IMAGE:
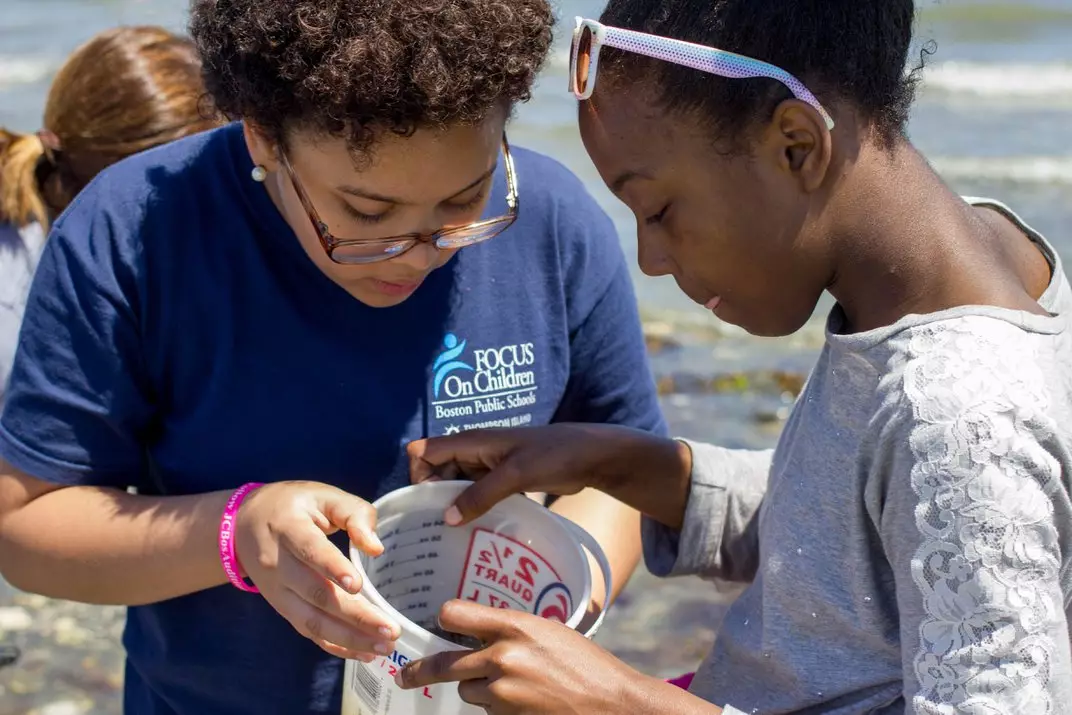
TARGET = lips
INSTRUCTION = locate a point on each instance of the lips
(393, 288)
(713, 304)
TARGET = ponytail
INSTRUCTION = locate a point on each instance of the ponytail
(22, 201)
(123, 91)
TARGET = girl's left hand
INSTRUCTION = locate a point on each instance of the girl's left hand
(529, 666)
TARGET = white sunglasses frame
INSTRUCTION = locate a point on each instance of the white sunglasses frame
(688, 54)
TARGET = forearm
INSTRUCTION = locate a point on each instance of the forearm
(616, 527)
(105, 546)
(719, 536)
(649, 696)
(649, 473)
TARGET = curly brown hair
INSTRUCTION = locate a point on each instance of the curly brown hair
(357, 68)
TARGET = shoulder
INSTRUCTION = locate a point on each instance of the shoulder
(551, 194)
(154, 177)
(144, 172)
(546, 182)
(973, 362)
(972, 393)
(547, 179)
(155, 187)
(555, 203)
(101, 239)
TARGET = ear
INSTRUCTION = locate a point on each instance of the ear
(799, 142)
(262, 150)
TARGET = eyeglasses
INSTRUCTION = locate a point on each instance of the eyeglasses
(359, 251)
(589, 36)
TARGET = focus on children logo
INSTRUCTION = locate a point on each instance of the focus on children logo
(468, 380)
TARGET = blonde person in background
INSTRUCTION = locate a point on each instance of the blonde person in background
(126, 90)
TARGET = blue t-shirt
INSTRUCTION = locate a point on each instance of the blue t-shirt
(178, 339)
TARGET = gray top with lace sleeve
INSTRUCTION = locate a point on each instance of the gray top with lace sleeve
(909, 542)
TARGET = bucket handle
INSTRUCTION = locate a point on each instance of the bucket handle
(592, 546)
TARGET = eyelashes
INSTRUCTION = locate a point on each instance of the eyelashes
(380, 217)
(657, 218)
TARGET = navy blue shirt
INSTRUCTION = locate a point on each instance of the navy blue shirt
(179, 340)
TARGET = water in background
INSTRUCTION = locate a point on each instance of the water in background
(997, 96)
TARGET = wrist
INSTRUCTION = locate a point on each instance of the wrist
(229, 537)
(681, 483)
(649, 473)
(645, 695)
(635, 456)
(210, 508)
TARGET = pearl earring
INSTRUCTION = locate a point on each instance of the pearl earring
(259, 173)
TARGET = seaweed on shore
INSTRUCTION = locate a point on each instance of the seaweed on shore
(776, 382)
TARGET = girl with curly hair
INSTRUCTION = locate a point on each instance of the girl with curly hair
(246, 327)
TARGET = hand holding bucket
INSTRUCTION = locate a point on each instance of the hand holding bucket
(517, 556)
(650, 473)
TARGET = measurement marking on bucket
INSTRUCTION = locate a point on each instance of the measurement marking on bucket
(415, 559)
(399, 532)
(419, 542)
(401, 579)
(408, 592)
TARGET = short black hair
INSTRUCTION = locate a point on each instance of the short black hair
(855, 51)
(356, 69)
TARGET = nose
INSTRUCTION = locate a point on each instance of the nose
(651, 256)
(421, 258)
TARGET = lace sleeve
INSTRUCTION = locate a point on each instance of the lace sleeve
(972, 532)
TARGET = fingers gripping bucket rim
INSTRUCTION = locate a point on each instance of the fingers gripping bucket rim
(438, 496)
(413, 515)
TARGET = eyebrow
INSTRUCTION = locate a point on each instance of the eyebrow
(373, 196)
(625, 177)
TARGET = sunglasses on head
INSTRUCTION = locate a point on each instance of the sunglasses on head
(589, 36)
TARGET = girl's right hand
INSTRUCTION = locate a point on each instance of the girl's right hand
(281, 541)
(645, 471)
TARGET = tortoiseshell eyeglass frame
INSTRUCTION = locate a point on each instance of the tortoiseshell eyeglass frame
(361, 251)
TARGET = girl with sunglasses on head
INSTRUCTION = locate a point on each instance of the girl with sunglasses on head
(359, 261)
(908, 544)
(126, 90)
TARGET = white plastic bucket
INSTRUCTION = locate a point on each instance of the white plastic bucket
(519, 555)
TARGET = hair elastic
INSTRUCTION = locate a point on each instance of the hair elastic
(50, 143)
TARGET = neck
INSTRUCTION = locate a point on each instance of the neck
(906, 244)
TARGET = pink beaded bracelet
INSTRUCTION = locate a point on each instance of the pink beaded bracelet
(227, 538)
